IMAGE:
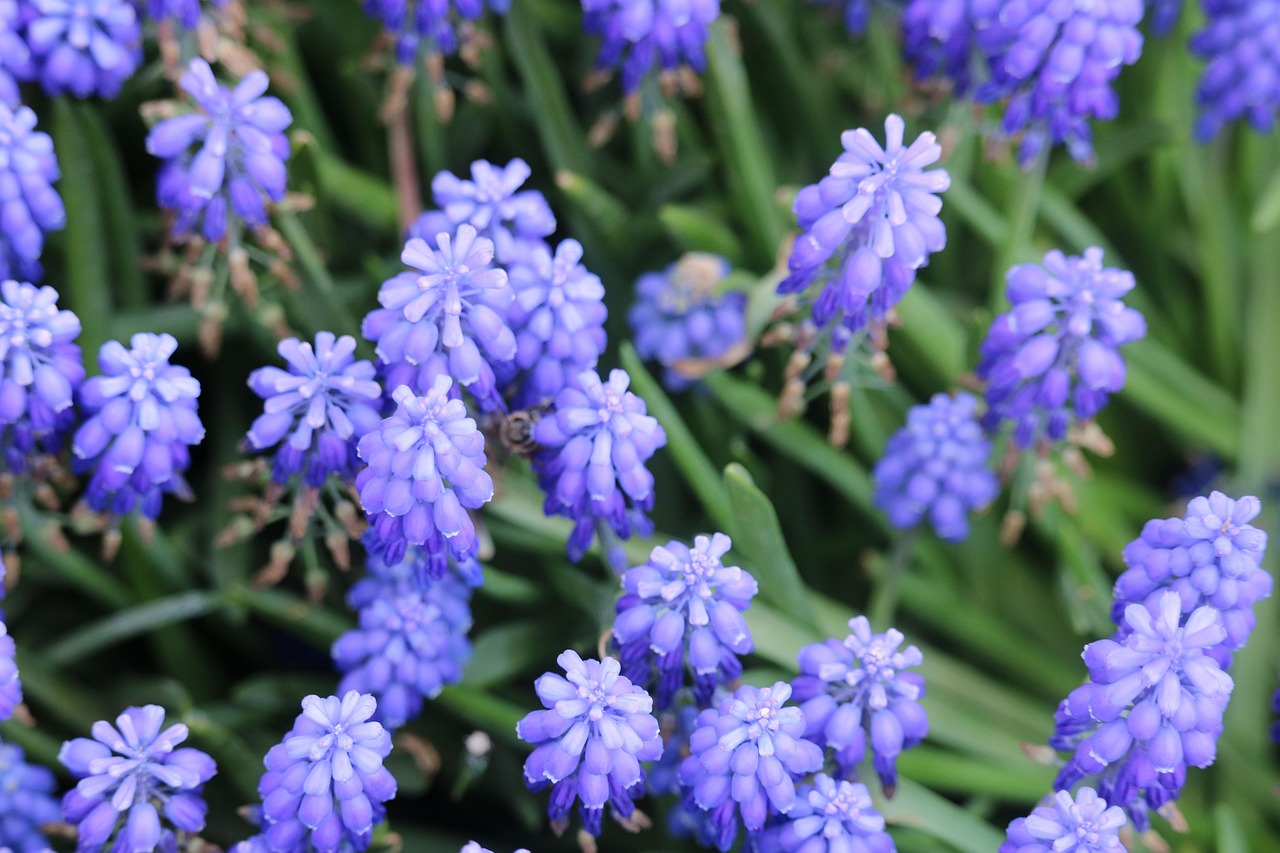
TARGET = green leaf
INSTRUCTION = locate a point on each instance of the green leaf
(475, 707)
(125, 624)
(757, 536)
(917, 806)
(699, 230)
(505, 650)
(562, 137)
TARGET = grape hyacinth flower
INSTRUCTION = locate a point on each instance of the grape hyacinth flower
(42, 370)
(83, 47)
(1054, 63)
(411, 640)
(867, 227)
(125, 773)
(680, 321)
(140, 418)
(937, 466)
(186, 13)
(1152, 708)
(26, 802)
(240, 158)
(858, 688)
(1213, 556)
(10, 684)
(830, 816)
(436, 320)
(591, 464)
(492, 203)
(425, 468)
(1055, 354)
(316, 410)
(1242, 76)
(558, 319)
(432, 26)
(15, 56)
(1083, 824)
(325, 788)
(636, 34)
(474, 847)
(683, 611)
(29, 205)
(945, 38)
(745, 756)
(589, 741)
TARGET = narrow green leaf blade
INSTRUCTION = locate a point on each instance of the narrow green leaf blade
(758, 537)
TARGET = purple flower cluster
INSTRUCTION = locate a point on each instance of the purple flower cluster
(591, 464)
(679, 318)
(858, 688)
(1083, 824)
(867, 227)
(636, 34)
(429, 25)
(83, 47)
(937, 465)
(26, 802)
(41, 367)
(186, 12)
(425, 468)
(239, 159)
(829, 816)
(411, 640)
(316, 410)
(683, 611)
(1055, 354)
(140, 420)
(29, 205)
(1242, 76)
(10, 683)
(325, 786)
(15, 56)
(589, 741)
(435, 321)
(945, 38)
(125, 772)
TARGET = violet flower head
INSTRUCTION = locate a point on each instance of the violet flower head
(1054, 63)
(411, 640)
(129, 775)
(591, 464)
(430, 26)
(447, 317)
(492, 203)
(1152, 708)
(41, 368)
(325, 788)
(425, 469)
(222, 162)
(558, 318)
(186, 13)
(10, 683)
(858, 688)
(1241, 79)
(140, 420)
(316, 410)
(682, 611)
(678, 318)
(15, 57)
(947, 38)
(26, 802)
(83, 47)
(29, 205)
(1212, 556)
(830, 816)
(589, 741)
(745, 756)
(636, 34)
(1055, 355)
(1080, 824)
(868, 226)
(938, 466)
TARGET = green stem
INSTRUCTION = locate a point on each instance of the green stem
(1025, 207)
(888, 588)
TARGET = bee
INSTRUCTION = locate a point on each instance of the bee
(515, 430)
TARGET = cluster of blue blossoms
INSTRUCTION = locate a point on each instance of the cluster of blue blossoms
(638, 34)
(430, 26)
(26, 801)
(29, 205)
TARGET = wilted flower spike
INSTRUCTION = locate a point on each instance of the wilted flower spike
(1083, 824)
(1242, 73)
(637, 34)
(325, 788)
(682, 612)
(937, 466)
(83, 47)
(867, 227)
(31, 206)
(859, 689)
(829, 816)
(589, 741)
(26, 802)
(1055, 355)
(140, 420)
(221, 163)
(425, 469)
(126, 772)
(316, 410)
(41, 368)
